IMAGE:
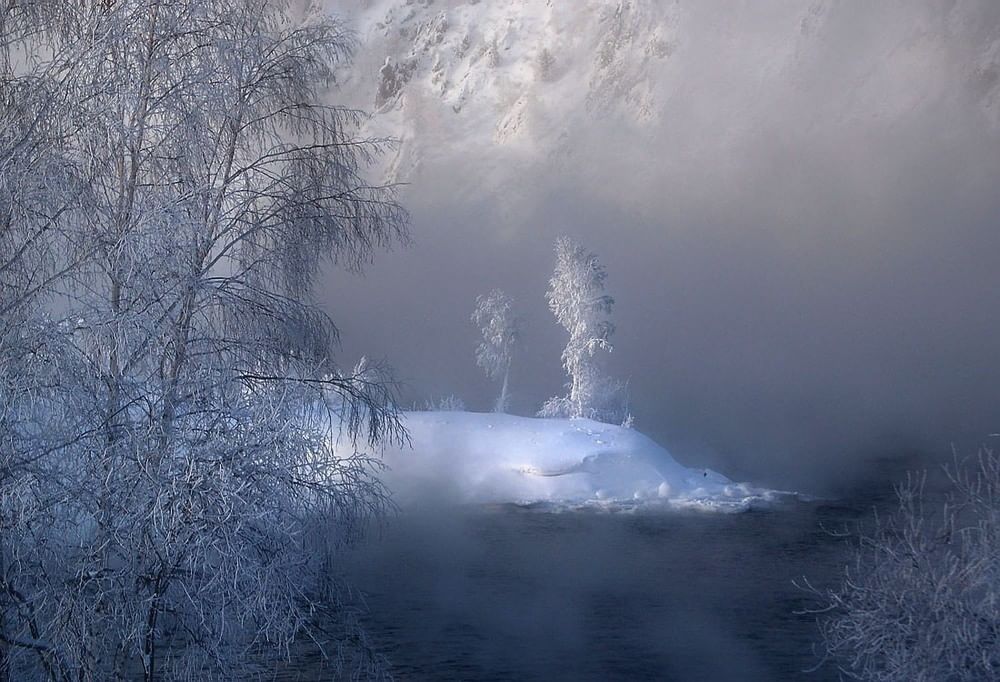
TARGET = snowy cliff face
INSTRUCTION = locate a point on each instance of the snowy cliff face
(527, 82)
(517, 81)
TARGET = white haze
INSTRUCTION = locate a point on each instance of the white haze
(796, 202)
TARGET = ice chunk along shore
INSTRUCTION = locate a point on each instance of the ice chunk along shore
(500, 458)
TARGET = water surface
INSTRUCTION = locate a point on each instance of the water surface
(520, 593)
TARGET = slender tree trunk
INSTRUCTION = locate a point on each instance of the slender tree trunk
(502, 400)
(4, 600)
(4, 671)
(150, 639)
(575, 391)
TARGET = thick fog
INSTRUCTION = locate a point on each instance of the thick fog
(802, 243)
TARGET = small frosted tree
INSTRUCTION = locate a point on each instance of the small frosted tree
(544, 64)
(501, 330)
(578, 299)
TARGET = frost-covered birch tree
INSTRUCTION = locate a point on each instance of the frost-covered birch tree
(578, 299)
(173, 482)
(501, 331)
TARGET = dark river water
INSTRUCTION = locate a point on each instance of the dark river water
(508, 593)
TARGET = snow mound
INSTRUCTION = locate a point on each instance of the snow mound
(554, 464)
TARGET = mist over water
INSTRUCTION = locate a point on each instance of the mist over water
(513, 594)
(517, 592)
(801, 238)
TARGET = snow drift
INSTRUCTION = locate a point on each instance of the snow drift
(483, 458)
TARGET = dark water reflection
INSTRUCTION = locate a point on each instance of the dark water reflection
(506, 593)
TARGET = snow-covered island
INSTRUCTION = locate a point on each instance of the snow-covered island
(580, 450)
(482, 458)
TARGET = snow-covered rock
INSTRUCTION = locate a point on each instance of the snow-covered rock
(474, 457)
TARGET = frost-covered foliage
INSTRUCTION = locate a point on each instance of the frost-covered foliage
(172, 181)
(922, 599)
(449, 403)
(578, 299)
(501, 330)
(609, 403)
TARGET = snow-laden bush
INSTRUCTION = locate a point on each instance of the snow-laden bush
(921, 601)
(609, 405)
(448, 403)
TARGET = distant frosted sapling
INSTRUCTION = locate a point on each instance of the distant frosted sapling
(501, 330)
